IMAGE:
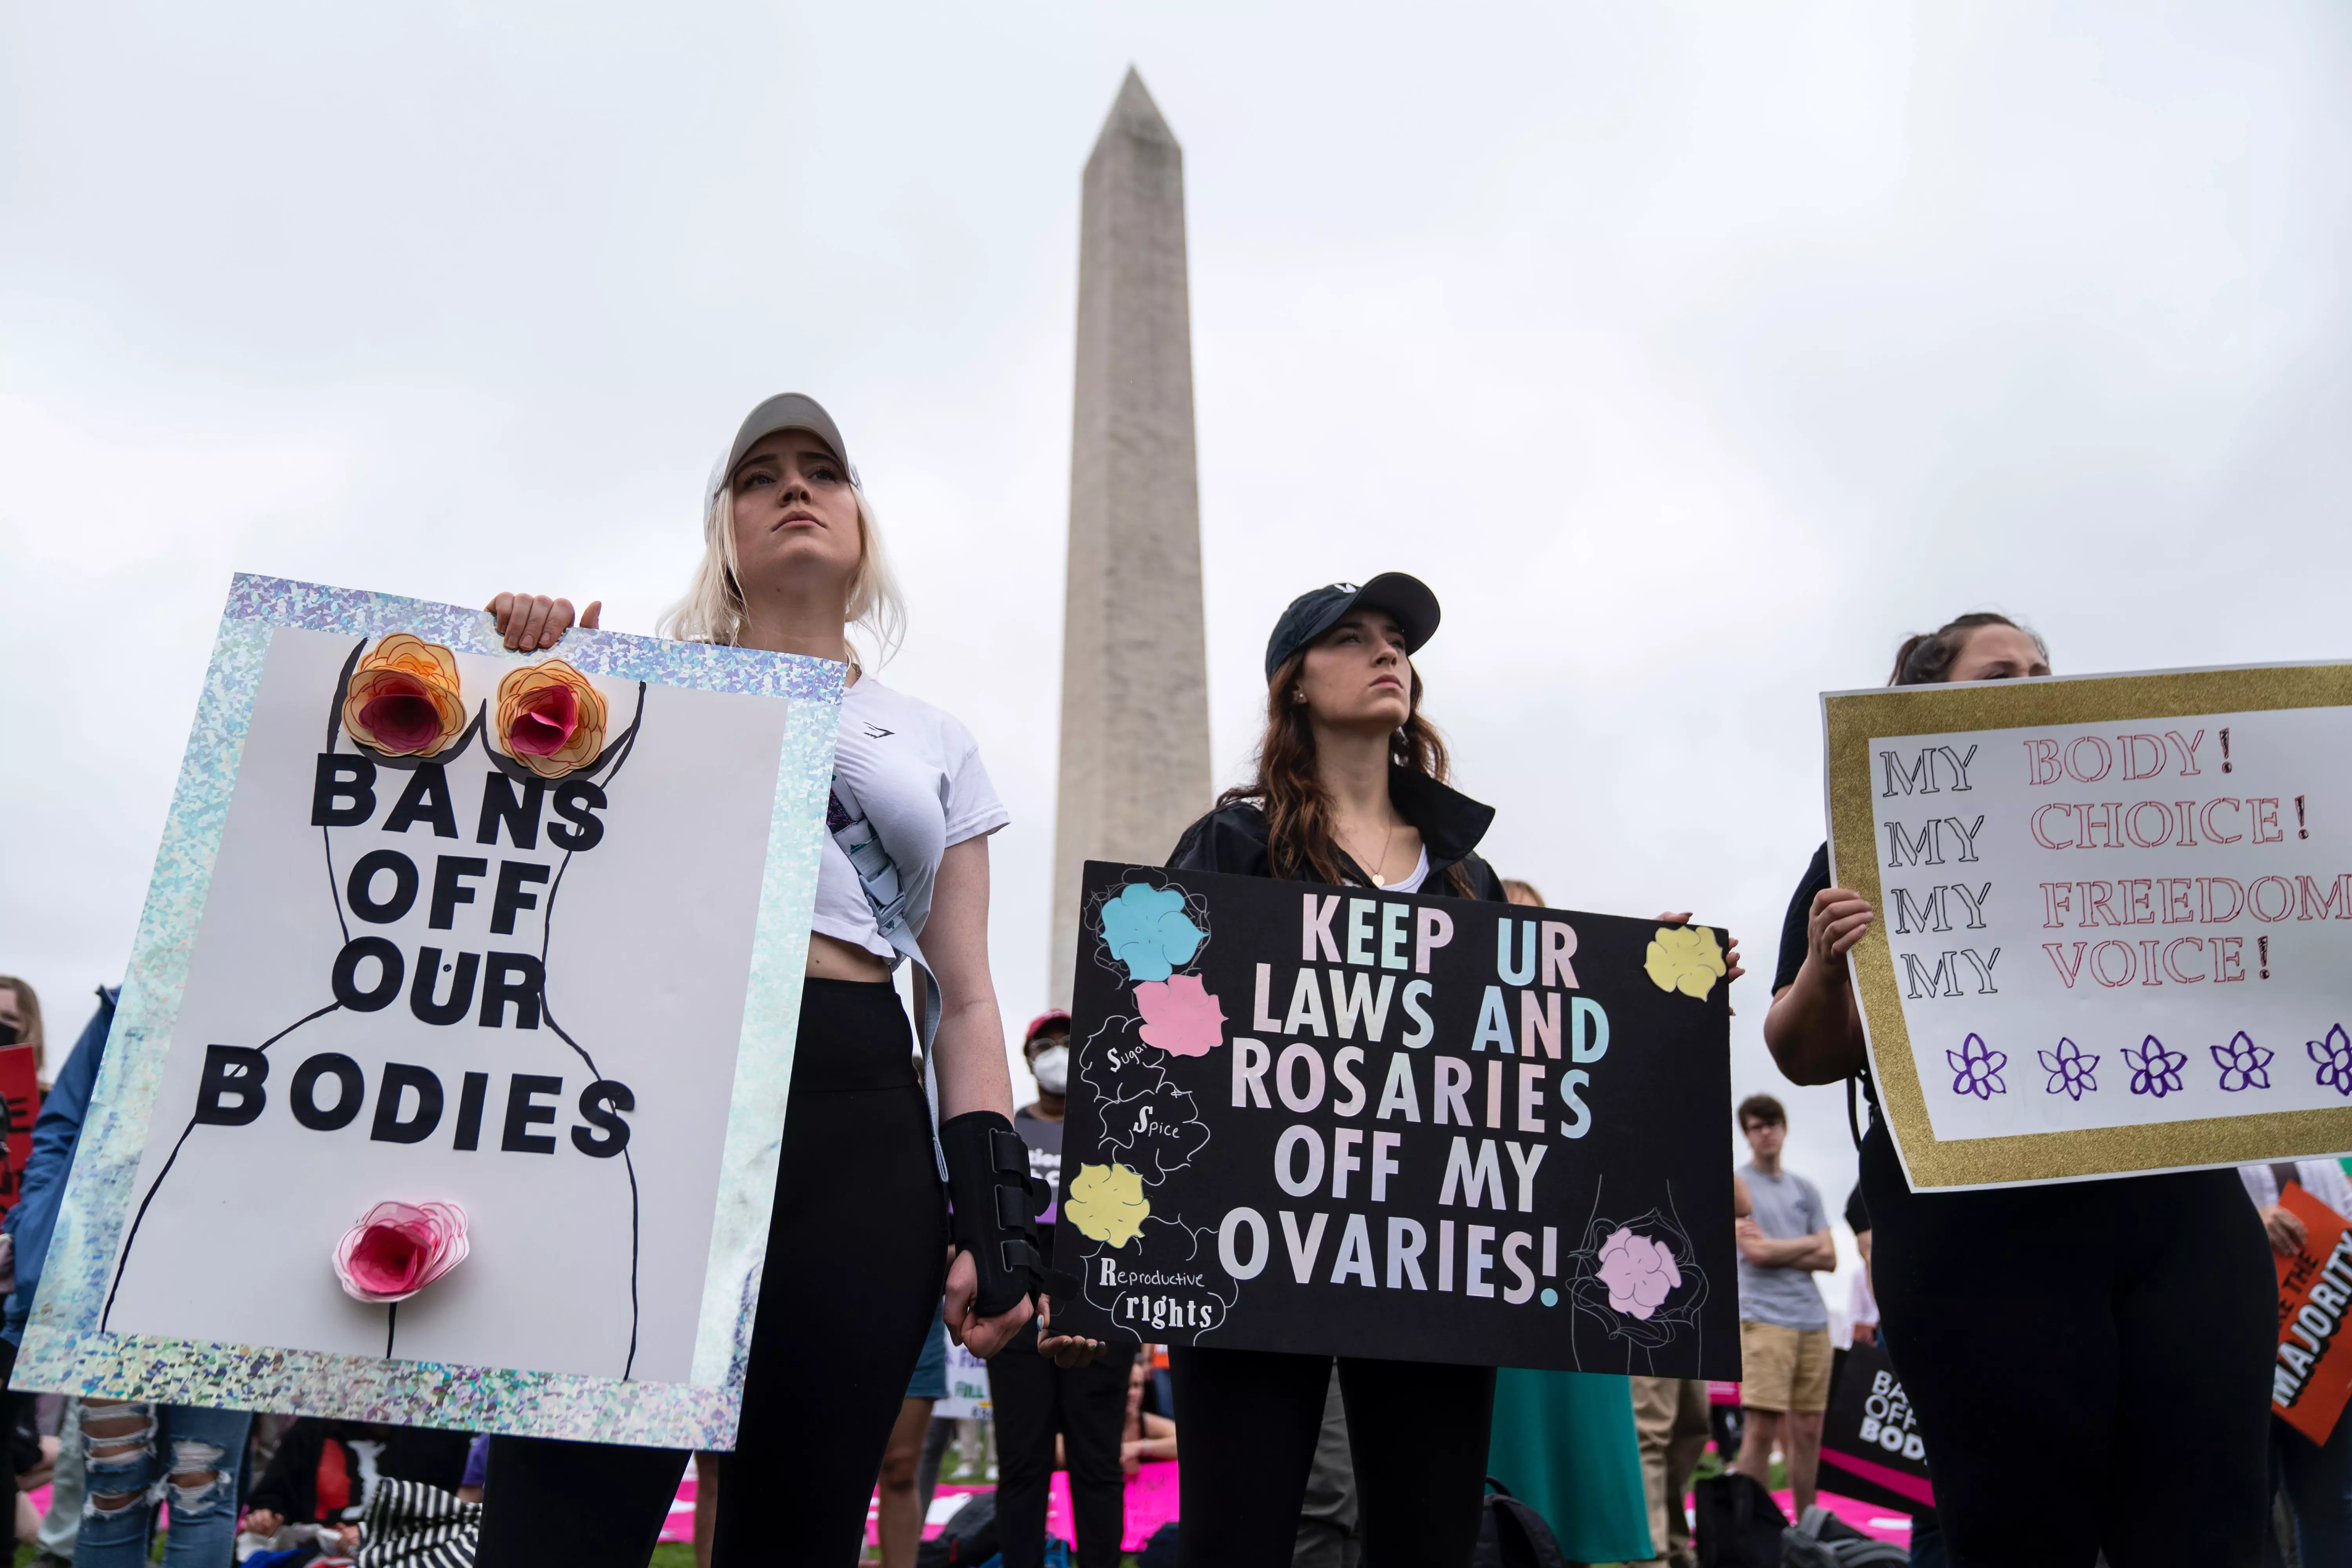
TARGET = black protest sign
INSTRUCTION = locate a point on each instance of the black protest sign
(1871, 1449)
(1365, 1122)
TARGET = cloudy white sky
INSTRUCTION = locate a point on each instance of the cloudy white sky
(1692, 354)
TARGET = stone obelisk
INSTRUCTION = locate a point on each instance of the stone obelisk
(1135, 687)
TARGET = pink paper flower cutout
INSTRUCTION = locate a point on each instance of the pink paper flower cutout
(1180, 1017)
(400, 1248)
(1638, 1271)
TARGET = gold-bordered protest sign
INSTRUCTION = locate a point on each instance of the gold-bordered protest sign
(2114, 918)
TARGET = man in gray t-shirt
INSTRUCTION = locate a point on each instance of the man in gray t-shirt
(1783, 1233)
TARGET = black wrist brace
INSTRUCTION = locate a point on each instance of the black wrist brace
(996, 1206)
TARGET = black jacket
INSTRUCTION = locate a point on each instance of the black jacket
(290, 1486)
(1232, 837)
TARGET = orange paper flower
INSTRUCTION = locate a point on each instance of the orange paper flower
(404, 699)
(549, 719)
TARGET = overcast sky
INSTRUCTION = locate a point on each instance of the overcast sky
(1692, 354)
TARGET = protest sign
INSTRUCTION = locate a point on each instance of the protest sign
(2114, 918)
(2313, 1377)
(1374, 1124)
(20, 1097)
(967, 1397)
(1870, 1447)
(448, 1078)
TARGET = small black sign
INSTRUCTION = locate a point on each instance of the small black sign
(1364, 1122)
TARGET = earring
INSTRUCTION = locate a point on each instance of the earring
(1297, 694)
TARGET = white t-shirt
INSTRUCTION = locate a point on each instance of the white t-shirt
(915, 774)
(1412, 884)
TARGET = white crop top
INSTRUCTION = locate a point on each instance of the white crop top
(916, 775)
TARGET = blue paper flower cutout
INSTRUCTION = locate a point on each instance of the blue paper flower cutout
(1976, 1069)
(2070, 1071)
(2243, 1064)
(2155, 1071)
(2334, 1056)
(1146, 932)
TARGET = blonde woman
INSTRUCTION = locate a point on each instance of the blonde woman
(858, 1246)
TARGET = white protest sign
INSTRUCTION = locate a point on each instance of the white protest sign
(2114, 918)
(449, 1076)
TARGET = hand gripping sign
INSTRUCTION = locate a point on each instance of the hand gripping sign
(1364, 1122)
(449, 1074)
(2114, 924)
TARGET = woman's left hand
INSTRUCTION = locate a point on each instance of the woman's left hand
(984, 1337)
(1063, 1350)
(1733, 969)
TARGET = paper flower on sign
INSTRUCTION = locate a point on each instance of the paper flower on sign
(2155, 1071)
(1685, 959)
(2334, 1056)
(1180, 1017)
(549, 719)
(1976, 1069)
(1106, 1203)
(400, 1248)
(1147, 930)
(2243, 1064)
(403, 699)
(1638, 1271)
(2069, 1067)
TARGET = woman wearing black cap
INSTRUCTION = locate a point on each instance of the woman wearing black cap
(1350, 787)
(858, 1241)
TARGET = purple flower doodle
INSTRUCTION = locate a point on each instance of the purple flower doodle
(2334, 1056)
(2069, 1067)
(2243, 1064)
(1639, 1271)
(1976, 1069)
(2155, 1071)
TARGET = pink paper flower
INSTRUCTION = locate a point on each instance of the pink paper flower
(1638, 1271)
(1180, 1017)
(400, 1248)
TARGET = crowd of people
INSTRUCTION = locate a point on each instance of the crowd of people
(2103, 1389)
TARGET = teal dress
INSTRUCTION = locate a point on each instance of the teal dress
(1564, 1443)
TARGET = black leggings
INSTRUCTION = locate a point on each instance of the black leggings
(857, 1251)
(2090, 1364)
(1031, 1399)
(1248, 1421)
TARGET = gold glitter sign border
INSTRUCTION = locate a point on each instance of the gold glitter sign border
(1849, 721)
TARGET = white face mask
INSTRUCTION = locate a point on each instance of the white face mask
(1052, 1068)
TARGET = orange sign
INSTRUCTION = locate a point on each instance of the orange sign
(2313, 1375)
(21, 1097)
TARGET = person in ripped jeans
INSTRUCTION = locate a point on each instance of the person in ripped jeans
(133, 1454)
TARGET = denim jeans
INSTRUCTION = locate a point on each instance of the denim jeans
(135, 1455)
(2318, 1482)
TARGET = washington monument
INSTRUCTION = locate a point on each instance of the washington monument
(1135, 690)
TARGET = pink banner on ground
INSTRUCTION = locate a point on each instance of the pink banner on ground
(1151, 1498)
(1878, 1524)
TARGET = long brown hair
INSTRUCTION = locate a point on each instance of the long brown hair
(1299, 843)
(1925, 658)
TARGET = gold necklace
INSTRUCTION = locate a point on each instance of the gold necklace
(1379, 866)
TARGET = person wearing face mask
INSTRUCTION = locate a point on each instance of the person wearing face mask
(1033, 1398)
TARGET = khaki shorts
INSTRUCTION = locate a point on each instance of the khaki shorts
(1784, 1369)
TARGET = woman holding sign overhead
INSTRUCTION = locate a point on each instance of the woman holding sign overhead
(858, 1241)
(2089, 1361)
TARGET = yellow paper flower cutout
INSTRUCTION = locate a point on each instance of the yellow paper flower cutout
(1685, 959)
(1106, 1203)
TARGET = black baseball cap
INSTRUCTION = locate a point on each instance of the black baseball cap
(1406, 599)
(785, 411)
